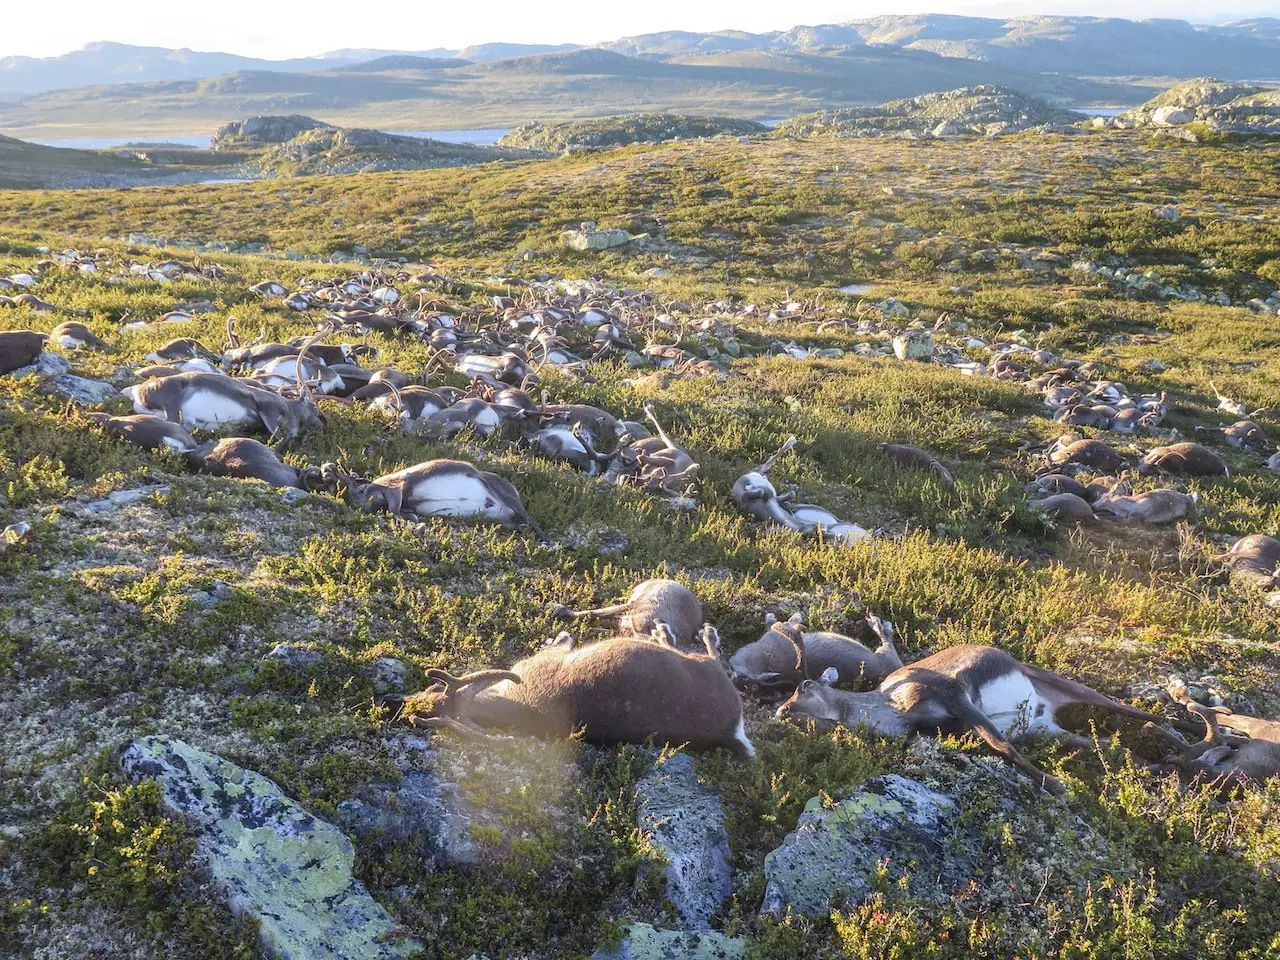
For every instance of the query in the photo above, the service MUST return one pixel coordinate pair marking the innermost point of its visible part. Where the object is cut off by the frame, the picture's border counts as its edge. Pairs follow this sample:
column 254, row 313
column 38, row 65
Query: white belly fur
column 1013, row 705
column 453, row 496
column 205, row 410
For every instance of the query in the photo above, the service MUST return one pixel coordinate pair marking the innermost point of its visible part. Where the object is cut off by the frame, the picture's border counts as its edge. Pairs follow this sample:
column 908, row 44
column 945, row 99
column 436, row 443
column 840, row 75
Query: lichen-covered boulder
column 686, row 823
column 587, row 237
column 420, row 812
column 47, row 364
column 82, row 390
column 643, row 942
column 289, row 870
column 914, row 345
column 832, row 856
column 1168, row 116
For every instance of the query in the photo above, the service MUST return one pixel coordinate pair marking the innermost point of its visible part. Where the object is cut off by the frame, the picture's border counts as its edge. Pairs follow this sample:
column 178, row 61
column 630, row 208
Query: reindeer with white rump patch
column 968, row 687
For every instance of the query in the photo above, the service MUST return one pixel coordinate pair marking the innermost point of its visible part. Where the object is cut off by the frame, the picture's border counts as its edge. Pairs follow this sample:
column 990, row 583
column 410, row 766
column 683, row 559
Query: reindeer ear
column 830, row 677
column 797, row 618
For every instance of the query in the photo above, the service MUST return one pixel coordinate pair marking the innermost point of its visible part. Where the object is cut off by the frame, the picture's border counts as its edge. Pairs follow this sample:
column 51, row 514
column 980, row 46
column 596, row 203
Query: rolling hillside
column 427, row 93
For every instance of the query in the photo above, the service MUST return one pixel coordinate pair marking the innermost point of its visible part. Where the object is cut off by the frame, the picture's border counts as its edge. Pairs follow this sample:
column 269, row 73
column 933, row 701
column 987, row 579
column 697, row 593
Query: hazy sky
column 278, row 29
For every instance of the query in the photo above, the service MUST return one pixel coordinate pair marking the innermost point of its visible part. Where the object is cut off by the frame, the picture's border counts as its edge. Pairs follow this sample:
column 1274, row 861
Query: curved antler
column 793, row 633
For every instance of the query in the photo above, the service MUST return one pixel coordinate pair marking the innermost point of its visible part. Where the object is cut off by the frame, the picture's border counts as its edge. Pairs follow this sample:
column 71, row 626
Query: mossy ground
column 111, row 626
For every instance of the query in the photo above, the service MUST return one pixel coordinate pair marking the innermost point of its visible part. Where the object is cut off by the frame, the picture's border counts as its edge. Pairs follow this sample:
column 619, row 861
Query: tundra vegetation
column 156, row 616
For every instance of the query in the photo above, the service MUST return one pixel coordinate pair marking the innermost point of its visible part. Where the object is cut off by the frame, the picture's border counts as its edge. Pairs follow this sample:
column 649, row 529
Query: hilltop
column 626, row 129
column 1220, row 106
column 332, row 150
column 982, row 110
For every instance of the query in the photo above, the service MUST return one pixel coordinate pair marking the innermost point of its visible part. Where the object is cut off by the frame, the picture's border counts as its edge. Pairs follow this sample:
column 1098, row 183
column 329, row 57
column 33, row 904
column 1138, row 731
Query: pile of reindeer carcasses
column 280, row 387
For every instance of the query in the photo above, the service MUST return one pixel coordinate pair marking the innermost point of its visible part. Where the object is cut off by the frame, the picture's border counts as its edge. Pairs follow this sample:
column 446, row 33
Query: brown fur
column 613, row 691
column 650, row 603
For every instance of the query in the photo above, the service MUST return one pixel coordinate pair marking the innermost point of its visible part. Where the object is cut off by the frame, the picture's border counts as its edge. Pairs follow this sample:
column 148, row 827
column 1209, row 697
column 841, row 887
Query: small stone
column 644, row 942
column 389, row 675
column 657, row 272
column 123, row 498
column 293, row 495
column 293, row 657
column 1167, row 212
column 13, row 535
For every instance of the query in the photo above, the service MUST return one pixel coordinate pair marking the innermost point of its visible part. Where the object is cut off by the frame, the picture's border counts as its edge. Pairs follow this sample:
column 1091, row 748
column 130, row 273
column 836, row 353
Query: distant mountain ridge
column 1076, row 46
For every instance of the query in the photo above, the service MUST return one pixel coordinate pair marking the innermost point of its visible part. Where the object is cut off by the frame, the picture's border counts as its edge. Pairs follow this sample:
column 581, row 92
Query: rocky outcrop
column 338, row 150
column 254, row 133
column 289, row 870
column 643, row 942
column 604, row 132
column 1219, row 105
column 587, row 237
column 686, row 823
column 983, row 110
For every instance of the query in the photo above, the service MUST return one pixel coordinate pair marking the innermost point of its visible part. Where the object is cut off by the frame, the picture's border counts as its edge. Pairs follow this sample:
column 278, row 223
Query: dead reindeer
column 788, row 654
column 438, row 488
column 381, row 382
column 1055, row 483
column 612, row 691
column 1153, row 506
column 1190, row 459
column 482, row 418
column 557, row 438
column 1063, row 506
column 248, row 459
column 756, row 495
column 74, row 335
column 211, row 401
column 1084, row 415
column 1071, row 456
column 1254, row 557
column 20, row 348
column 965, row 688
column 1233, row 407
column 147, row 431
column 650, row 603
column 657, row 464
column 909, row 455
column 1243, row 434
column 184, row 348
column 1132, row 421
column 409, row 406
column 1228, row 762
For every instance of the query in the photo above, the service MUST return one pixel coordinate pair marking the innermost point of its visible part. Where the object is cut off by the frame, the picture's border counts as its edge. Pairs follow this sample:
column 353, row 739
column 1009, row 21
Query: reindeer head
column 445, row 702
column 817, row 701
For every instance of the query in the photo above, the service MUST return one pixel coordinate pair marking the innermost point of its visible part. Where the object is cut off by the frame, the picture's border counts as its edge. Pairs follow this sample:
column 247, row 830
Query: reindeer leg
column 964, row 710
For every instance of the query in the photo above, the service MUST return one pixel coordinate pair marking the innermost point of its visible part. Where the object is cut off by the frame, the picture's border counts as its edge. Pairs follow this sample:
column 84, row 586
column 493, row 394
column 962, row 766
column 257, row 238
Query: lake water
column 484, row 136
column 1100, row 111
